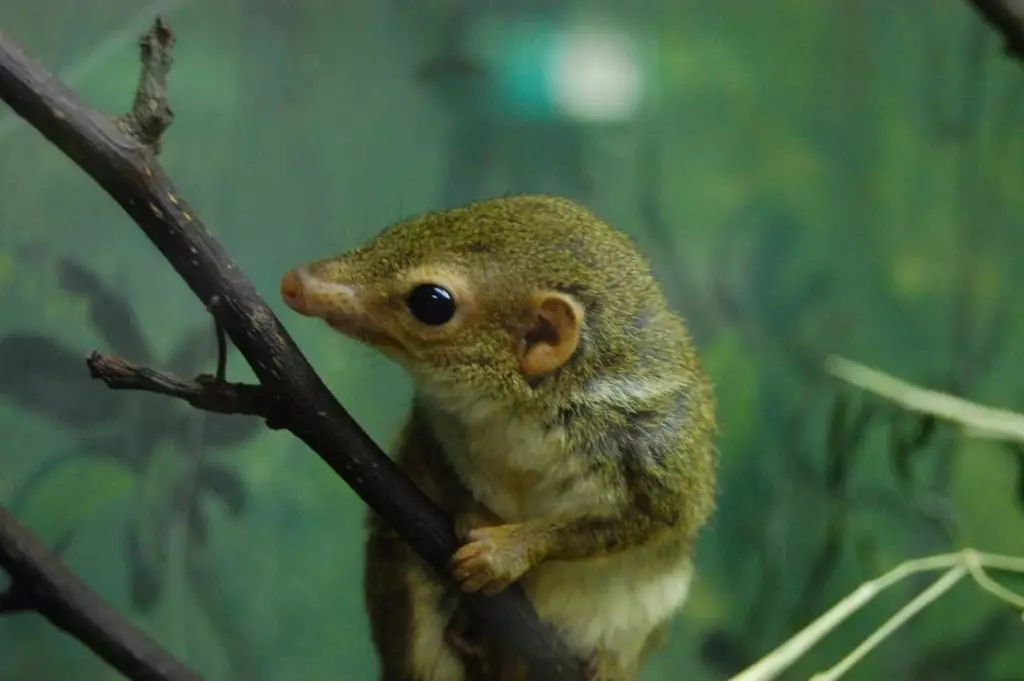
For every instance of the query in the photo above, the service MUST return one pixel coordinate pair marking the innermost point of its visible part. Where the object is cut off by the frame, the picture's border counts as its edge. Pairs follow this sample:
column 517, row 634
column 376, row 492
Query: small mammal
column 560, row 416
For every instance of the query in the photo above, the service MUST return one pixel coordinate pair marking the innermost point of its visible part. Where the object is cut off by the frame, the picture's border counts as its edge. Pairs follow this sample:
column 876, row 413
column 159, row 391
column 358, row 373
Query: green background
column 808, row 178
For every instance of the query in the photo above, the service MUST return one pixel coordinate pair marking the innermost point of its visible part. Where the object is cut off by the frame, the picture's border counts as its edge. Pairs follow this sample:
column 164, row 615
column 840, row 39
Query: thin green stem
column 923, row 600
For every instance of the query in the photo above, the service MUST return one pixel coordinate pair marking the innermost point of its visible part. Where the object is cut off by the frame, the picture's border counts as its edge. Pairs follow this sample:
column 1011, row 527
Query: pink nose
column 291, row 291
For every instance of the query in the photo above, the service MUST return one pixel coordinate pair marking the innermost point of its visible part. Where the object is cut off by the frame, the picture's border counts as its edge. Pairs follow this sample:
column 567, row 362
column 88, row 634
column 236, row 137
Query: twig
column 81, row 65
column 967, row 561
column 974, row 562
column 151, row 115
column 1006, row 17
column 204, row 392
column 222, row 342
column 784, row 656
column 976, row 419
column 923, row 599
column 121, row 159
column 41, row 583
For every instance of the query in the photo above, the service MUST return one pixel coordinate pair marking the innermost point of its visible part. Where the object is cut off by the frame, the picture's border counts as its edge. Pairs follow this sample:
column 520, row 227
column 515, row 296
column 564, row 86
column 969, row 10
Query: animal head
column 500, row 298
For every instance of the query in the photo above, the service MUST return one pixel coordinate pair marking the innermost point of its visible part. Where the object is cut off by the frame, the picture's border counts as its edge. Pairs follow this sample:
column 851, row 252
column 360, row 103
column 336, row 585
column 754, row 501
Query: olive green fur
column 635, row 409
column 523, row 243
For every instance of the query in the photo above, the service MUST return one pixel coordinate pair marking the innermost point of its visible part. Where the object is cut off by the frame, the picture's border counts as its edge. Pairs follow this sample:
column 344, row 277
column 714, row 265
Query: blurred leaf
column 194, row 349
column 899, row 456
column 817, row 288
column 859, row 427
column 834, row 445
column 198, row 527
column 898, row 507
column 53, row 381
column 61, row 545
column 952, row 660
column 1017, row 452
column 6, row 269
column 225, row 484
column 724, row 652
column 109, row 313
column 71, row 493
column 922, row 435
column 822, row 569
column 843, row 440
column 774, row 228
column 865, row 550
column 145, row 576
column 51, row 463
column 225, row 430
column 903, row 446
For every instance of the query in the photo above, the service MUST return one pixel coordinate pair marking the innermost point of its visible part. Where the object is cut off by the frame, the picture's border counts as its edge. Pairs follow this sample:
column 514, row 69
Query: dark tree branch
column 1007, row 18
column 151, row 115
column 14, row 599
column 121, row 159
column 204, row 392
column 41, row 583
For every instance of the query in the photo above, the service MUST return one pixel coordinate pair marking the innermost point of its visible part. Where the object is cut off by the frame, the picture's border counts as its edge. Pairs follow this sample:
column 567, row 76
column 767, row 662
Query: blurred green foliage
column 808, row 178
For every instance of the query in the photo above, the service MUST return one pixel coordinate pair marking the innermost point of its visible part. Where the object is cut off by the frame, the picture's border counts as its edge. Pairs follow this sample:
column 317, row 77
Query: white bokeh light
column 594, row 75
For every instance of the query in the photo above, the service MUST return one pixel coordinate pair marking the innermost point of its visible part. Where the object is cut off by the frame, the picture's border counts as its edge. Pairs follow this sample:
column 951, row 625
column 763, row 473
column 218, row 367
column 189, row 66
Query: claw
column 493, row 558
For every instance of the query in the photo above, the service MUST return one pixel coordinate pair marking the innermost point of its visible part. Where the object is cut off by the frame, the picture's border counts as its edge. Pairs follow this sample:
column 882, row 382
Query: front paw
column 473, row 518
column 492, row 558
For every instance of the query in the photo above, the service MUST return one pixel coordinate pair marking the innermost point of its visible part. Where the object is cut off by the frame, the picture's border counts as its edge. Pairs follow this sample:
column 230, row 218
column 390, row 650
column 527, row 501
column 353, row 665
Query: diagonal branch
column 957, row 565
column 14, row 599
column 41, row 583
column 1007, row 18
column 976, row 419
column 121, row 159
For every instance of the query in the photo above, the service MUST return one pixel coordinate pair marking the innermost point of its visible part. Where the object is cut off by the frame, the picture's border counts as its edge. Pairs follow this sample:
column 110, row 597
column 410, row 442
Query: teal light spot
column 520, row 67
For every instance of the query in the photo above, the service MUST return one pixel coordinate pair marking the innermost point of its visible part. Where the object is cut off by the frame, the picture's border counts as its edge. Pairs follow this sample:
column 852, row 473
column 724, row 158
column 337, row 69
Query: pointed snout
column 293, row 290
column 326, row 290
column 313, row 296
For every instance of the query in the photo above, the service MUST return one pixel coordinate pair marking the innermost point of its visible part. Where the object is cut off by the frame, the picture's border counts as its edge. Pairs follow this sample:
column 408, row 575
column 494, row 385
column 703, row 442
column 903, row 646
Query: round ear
column 554, row 334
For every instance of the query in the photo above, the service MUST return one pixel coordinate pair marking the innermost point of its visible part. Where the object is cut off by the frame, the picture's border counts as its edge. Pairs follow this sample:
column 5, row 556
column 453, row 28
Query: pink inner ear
column 553, row 338
column 543, row 331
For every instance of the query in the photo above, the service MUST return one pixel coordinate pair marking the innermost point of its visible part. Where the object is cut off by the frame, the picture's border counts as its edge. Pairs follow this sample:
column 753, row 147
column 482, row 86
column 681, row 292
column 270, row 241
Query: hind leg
column 608, row 667
column 599, row 665
column 655, row 640
column 408, row 612
column 604, row 665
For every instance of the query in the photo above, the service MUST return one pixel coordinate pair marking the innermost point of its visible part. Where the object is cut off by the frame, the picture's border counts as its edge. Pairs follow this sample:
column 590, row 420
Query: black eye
column 431, row 304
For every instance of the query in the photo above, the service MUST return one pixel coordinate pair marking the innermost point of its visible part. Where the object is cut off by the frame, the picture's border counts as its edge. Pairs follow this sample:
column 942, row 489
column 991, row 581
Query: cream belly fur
column 605, row 603
column 591, row 605
column 612, row 602
column 429, row 652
